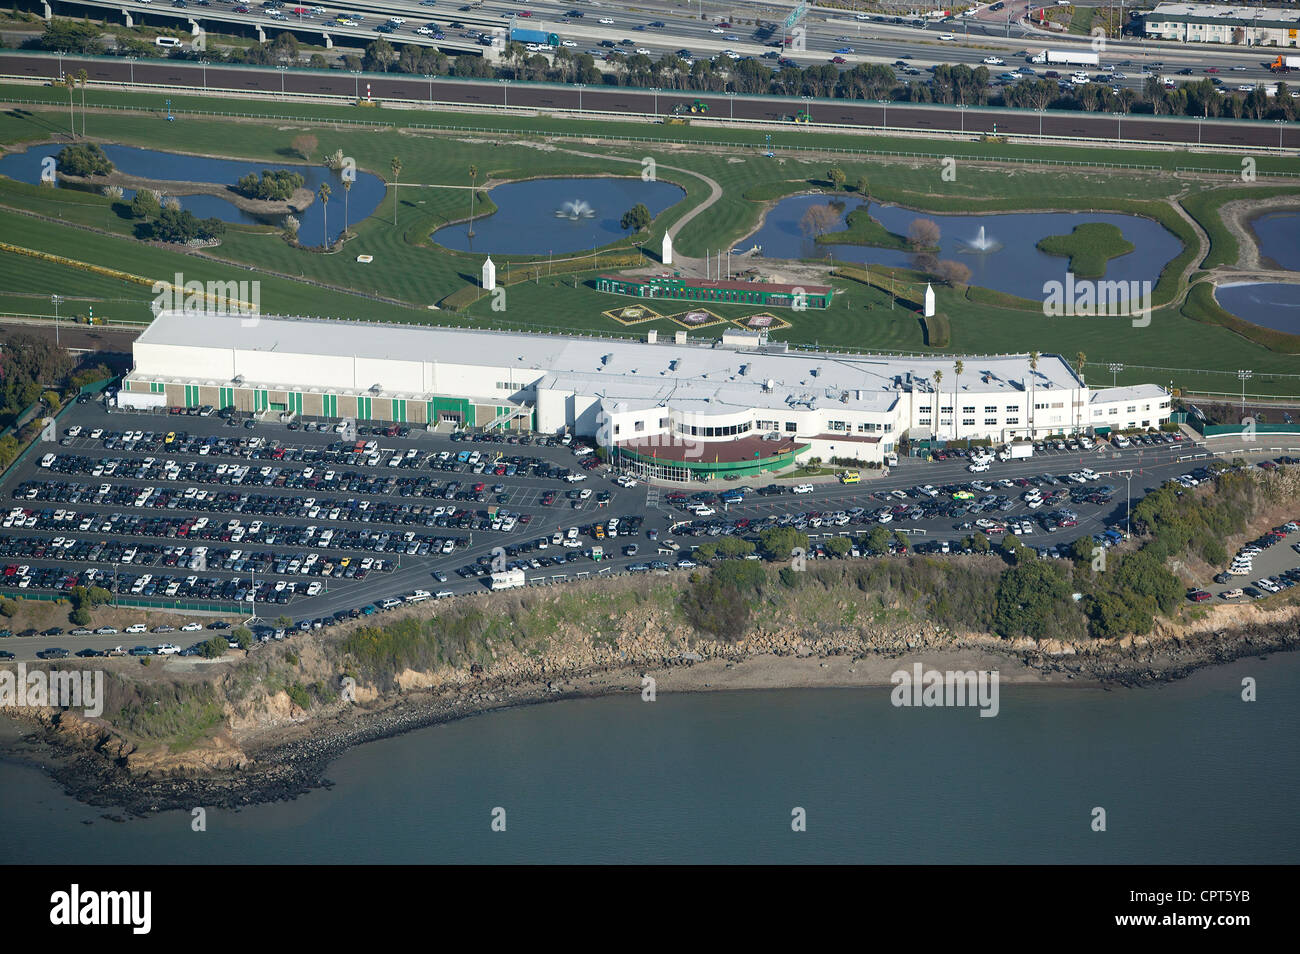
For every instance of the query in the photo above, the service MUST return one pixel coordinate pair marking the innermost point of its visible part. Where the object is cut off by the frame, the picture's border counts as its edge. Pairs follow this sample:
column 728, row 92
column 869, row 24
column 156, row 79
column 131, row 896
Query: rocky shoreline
column 83, row 759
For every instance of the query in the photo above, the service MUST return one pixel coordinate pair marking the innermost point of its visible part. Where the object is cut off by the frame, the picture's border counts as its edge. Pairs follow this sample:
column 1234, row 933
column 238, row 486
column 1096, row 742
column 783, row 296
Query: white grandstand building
column 736, row 404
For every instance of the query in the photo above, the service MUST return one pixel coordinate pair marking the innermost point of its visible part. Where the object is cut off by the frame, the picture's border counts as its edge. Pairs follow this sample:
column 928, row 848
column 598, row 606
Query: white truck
column 508, row 580
column 1066, row 58
column 1016, row 450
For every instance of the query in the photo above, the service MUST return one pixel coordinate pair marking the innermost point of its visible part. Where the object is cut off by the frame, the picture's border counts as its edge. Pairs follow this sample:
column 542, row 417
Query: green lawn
column 413, row 272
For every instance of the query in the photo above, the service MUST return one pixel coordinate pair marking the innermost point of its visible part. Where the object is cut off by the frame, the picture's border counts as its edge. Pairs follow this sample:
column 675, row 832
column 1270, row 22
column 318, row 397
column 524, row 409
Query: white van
column 167, row 41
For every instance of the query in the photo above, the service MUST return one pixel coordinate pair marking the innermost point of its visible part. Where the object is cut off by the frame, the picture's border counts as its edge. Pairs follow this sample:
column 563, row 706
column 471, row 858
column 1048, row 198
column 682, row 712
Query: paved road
column 626, row 100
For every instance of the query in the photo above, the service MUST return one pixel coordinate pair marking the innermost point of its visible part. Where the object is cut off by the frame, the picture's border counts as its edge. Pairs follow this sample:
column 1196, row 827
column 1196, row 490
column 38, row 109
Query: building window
column 790, row 427
column 968, row 410
column 990, row 421
column 638, row 426
column 837, row 426
column 1013, row 420
column 663, row 422
column 968, row 422
column 991, row 410
column 1012, row 409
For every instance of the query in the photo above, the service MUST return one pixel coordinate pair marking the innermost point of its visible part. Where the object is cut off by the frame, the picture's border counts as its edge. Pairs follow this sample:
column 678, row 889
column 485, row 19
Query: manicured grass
column 1089, row 247
column 793, row 139
column 410, row 268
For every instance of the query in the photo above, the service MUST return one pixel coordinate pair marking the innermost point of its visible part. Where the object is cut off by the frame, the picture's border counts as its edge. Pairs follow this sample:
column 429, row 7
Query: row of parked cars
column 1243, row 565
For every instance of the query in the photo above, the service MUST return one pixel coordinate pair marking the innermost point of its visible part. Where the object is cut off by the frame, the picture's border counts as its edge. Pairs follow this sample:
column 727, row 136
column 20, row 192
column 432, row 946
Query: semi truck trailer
column 1066, row 57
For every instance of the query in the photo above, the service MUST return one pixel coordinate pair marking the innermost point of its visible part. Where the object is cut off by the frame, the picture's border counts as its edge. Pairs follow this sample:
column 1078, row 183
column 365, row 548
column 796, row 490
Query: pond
column 1010, row 263
column 542, row 216
column 367, row 191
column 1278, row 234
column 1273, row 305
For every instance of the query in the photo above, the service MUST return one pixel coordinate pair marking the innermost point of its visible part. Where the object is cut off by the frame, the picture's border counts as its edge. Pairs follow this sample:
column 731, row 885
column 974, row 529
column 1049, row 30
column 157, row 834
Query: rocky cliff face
column 269, row 743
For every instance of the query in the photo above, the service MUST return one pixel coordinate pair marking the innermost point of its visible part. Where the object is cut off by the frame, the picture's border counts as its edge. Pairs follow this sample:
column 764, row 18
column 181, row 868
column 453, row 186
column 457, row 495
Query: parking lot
column 201, row 513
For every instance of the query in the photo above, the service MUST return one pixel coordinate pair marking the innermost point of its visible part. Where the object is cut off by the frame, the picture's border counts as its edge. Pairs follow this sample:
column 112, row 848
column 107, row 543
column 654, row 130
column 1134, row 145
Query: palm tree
column 70, row 82
column 1033, row 373
column 83, row 79
column 396, row 166
column 958, row 367
column 324, row 194
column 347, row 187
column 1080, row 359
column 938, row 385
column 473, row 180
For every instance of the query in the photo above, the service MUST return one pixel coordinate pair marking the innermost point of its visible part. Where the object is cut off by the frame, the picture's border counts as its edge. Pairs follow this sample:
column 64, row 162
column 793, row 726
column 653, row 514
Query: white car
column 191, row 627
column 802, row 489
column 641, row 50
column 574, row 478
column 569, row 43
column 994, row 61
column 136, row 628
column 946, row 36
column 608, row 21
column 314, row 588
column 167, row 649
column 718, row 30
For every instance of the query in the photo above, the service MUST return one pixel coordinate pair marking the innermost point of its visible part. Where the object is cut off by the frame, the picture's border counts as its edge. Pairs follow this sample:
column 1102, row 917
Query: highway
column 660, row 27
column 180, row 75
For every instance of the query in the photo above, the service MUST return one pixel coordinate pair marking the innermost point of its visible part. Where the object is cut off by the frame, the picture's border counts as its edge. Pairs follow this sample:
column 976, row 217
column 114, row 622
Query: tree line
column 949, row 84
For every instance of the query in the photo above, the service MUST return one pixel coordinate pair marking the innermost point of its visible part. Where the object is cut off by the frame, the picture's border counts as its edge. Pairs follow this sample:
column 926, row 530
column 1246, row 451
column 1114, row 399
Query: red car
column 1198, row 596
column 1211, row 69
column 838, row 59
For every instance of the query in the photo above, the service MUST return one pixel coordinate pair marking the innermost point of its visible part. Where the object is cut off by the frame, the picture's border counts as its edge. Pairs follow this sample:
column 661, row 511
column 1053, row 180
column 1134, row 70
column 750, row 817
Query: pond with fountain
column 1000, row 249
column 544, row 216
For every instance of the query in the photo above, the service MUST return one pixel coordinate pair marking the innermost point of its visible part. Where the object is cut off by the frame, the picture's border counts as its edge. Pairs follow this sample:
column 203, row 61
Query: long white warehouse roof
column 740, row 374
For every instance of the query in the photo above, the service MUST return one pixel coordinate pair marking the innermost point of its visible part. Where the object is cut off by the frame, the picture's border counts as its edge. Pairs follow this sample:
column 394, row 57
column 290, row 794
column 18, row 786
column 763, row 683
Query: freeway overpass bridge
column 314, row 22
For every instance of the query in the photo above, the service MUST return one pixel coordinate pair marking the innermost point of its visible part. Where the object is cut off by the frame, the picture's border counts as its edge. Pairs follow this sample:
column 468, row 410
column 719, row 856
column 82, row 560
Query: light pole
column 1128, row 502
column 1115, row 369
column 56, row 299
column 1119, row 127
column 1244, row 375
column 961, row 108
column 429, row 77
column 204, row 64
column 505, row 92
column 1280, row 124
column 60, row 53
column 356, row 84
column 1040, row 125
column 282, row 70
column 581, row 87
column 731, row 98
column 655, row 90
column 884, row 106
column 131, row 60
column 807, row 108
